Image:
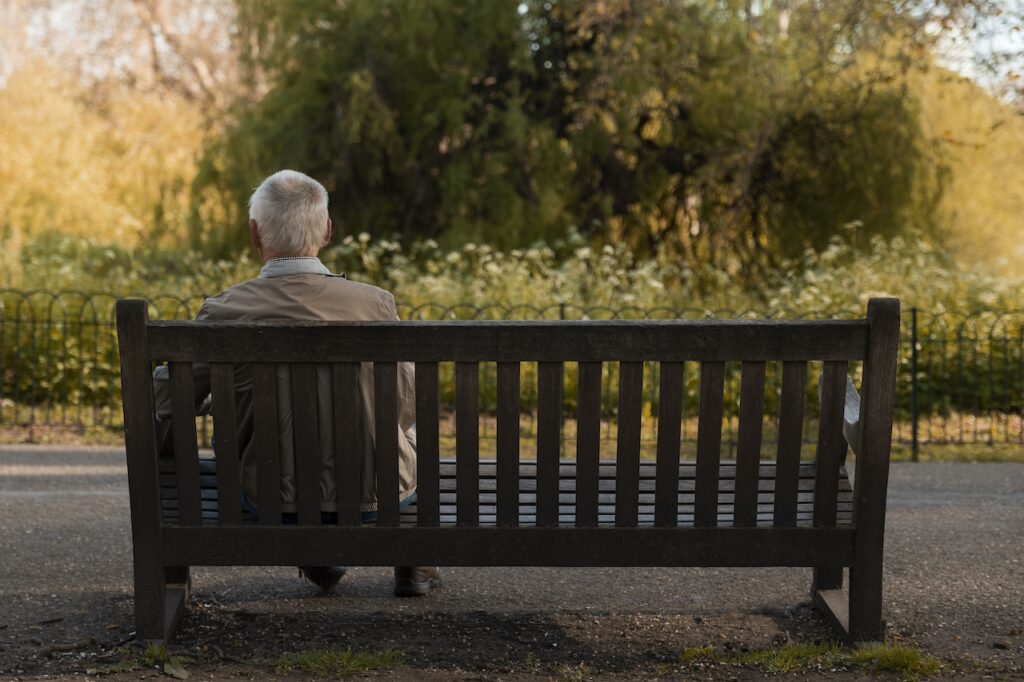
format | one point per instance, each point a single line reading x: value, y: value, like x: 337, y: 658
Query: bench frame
x: 163, y: 551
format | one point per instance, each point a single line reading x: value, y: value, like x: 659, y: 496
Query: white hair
x: 290, y: 210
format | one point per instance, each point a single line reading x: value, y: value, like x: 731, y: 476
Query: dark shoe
x: 416, y: 581
x: 324, y: 577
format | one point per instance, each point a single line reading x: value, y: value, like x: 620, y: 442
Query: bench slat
x: 306, y: 439
x: 566, y: 471
x: 186, y: 452
x: 507, y: 483
x: 549, y: 432
x: 804, y: 520
x: 348, y: 442
x: 467, y: 440
x: 427, y: 453
x: 588, y: 442
x: 748, y: 447
x: 791, y: 418
x: 267, y: 445
x: 627, y: 453
x: 709, y: 441
x: 829, y: 457
x: 831, y: 443
x: 567, y: 496
x: 529, y: 484
x: 385, y: 408
x: 511, y: 341
x: 225, y: 442
x: 670, y: 406
x: 508, y: 546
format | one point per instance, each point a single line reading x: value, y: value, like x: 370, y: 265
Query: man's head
x: 288, y: 216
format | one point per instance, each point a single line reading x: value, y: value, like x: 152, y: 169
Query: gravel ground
x: 954, y: 587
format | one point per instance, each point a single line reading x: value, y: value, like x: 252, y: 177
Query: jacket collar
x: 293, y: 265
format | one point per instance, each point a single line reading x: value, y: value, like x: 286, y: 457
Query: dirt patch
x: 219, y: 642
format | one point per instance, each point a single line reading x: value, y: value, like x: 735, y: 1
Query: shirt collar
x: 293, y: 265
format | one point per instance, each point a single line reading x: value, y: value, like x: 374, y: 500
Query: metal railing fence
x: 961, y: 378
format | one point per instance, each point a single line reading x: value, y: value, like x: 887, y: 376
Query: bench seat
x: 567, y: 496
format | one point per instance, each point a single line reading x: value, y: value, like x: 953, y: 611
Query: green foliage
x: 699, y: 132
x: 330, y: 663
x: 60, y: 348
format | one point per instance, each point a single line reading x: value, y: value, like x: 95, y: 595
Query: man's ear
x: 254, y: 236
x: 330, y: 232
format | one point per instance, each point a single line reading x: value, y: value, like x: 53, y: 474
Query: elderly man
x: 288, y: 225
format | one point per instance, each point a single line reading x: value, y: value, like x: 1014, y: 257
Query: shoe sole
x: 410, y: 588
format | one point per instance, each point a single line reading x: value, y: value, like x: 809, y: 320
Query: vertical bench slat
x: 828, y: 458
x: 186, y: 453
x: 871, y: 480
x: 348, y: 442
x: 549, y: 428
x: 149, y: 577
x: 787, y: 459
x: 670, y: 408
x: 709, y: 443
x: 588, y: 442
x: 265, y: 426
x: 385, y: 409
x: 627, y: 453
x: 831, y: 444
x: 508, y: 444
x: 225, y: 443
x: 748, y: 447
x: 428, y: 509
x: 306, y: 443
x: 467, y: 443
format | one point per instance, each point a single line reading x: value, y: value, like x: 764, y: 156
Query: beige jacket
x: 307, y: 297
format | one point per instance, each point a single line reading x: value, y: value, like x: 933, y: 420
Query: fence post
x: 913, y: 385
x: 561, y: 311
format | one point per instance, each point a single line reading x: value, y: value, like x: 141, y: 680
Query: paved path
x: 954, y: 571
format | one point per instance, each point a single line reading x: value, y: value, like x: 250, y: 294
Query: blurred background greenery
x: 730, y: 139
x: 762, y: 157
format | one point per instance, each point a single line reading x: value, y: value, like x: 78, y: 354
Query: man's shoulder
x: 318, y: 296
x: 342, y: 284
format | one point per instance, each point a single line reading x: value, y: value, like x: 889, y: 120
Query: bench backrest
x: 343, y: 346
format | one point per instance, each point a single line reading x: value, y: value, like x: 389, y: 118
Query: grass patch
x: 326, y: 662
x: 154, y: 656
x: 574, y: 673
x: 790, y: 658
x: 907, y: 662
x: 692, y: 654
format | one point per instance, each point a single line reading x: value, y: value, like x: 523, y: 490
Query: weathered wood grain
x: 509, y: 341
x: 508, y: 444
x: 709, y: 441
x: 225, y: 443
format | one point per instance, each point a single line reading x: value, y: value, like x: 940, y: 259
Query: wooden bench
x: 581, y: 511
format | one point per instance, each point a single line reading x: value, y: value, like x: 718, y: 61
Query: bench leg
x: 150, y: 600
x: 866, y: 598
x: 827, y: 578
x: 178, y: 586
x: 827, y: 595
x: 160, y: 597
